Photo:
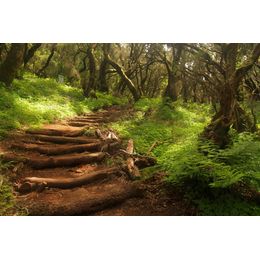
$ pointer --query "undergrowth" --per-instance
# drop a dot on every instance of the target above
(209, 177)
(33, 101)
(6, 193)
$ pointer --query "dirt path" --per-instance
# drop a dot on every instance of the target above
(83, 173)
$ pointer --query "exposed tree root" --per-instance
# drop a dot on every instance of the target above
(64, 140)
(87, 120)
(80, 124)
(64, 149)
(86, 203)
(55, 132)
(89, 117)
(52, 162)
(33, 183)
(70, 160)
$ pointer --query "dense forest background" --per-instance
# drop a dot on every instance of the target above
(196, 109)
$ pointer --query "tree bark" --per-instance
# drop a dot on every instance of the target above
(123, 75)
(64, 149)
(55, 132)
(230, 112)
(12, 63)
(64, 139)
(91, 84)
(70, 160)
(29, 53)
(102, 83)
(47, 63)
(32, 183)
(170, 90)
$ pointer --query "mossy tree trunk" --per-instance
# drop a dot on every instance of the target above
(41, 71)
(230, 112)
(171, 91)
(102, 83)
(29, 53)
(173, 70)
(130, 85)
(91, 83)
(12, 63)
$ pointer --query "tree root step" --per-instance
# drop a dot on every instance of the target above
(63, 149)
(33, 183)
(64, 140)
(80, 124)
(64, 161)
(81, 202)
(55, 132)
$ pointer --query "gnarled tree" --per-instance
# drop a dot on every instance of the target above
(12, 63)
(224, 60)
(121, 72)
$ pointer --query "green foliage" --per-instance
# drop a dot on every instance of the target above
(6, 194)
(6, 197)
(202, 170)
(218, 168)
(33, 101)
(227, 205)
(144, 104)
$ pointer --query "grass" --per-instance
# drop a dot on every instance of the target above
(206, 180)
(34, 101)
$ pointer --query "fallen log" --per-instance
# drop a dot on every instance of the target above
(34, 183)
(63, 149)
(53, 132)
(89, 117)
(132, 168)
(64, 140)
(87, 120)
(63, 161)
(82, 202)
(80, 124)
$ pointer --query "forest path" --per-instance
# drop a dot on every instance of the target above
(75, 167)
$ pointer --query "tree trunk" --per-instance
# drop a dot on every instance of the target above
(230, 114)
(12, 63)
(45, 66)
(171, 90)
(91, 84)
(124, 77)
(102, 83)
(30, 53)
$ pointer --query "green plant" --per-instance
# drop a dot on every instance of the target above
(34, 101)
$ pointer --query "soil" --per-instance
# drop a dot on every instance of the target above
(156, 199)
